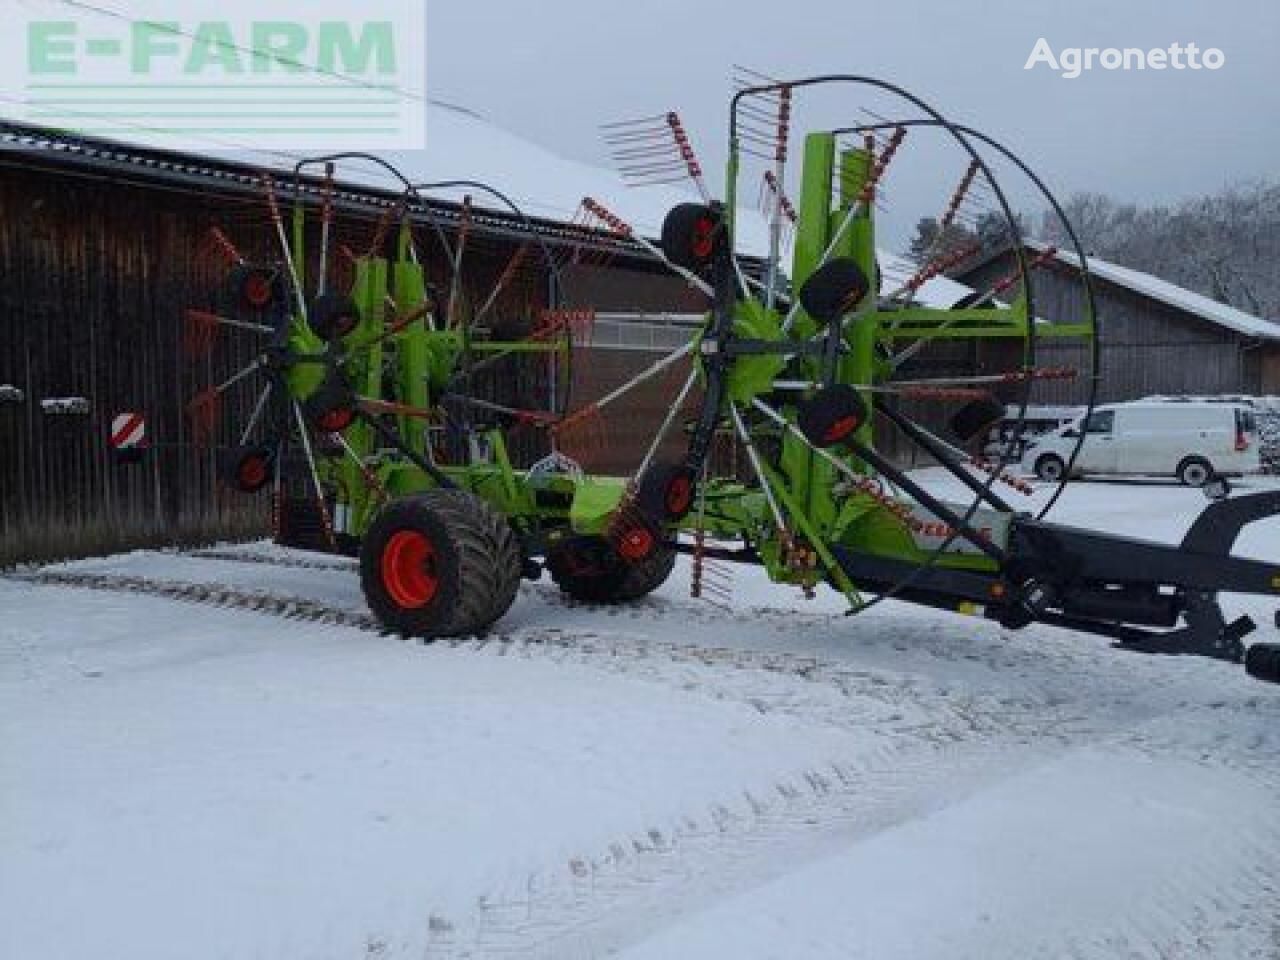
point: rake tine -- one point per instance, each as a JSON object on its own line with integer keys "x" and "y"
{"x": 205, "y": 412}
{"x": 224, "y": 246}
{"x": 276, "y": 219}
{"x": 199, "y": 333}
{"x": 582, "y": 434}
{"x": 505, "y": 278}
{"x": 624, "y": 230}
{"x": 619, "y": 124}
{"x": 667, "y": 423}
{"x": 326, "y": 230}
{"x": 258, "y": 409}
{"x": 757, "y": 467}
{"x": 455, "y": 285}
{"x": 321, "y": 505}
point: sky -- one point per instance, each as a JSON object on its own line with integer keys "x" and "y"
{"x": 555, "y": 70}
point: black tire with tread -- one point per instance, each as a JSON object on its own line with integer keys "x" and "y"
{"x": 508, "y": 556}
{"x": 686, "y": 240}
{"x": 834, "y": 289}
{"x": 479, "y": 564}
{"x": 832, "y": 415}
{"x": 614, "y": 580}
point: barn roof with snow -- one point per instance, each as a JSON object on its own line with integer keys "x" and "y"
{"x": 1173, "y": 295}
{"x": 1155, "y": 337}
{"x": 462, "y": 145}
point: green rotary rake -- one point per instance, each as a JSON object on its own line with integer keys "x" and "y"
{"x": 773, "y": 434}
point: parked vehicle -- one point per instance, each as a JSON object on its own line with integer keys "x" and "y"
{"x": 1007, "y": 444}
{"x": 1193, "y": 441}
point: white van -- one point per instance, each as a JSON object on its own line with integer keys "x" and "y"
{"x": 1193, "y": 441}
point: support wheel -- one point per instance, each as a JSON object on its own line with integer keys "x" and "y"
{"x": 834, "y": 289}
{"x": 589, "y": 570}
{"x": 832, "y": 415}
{"x": 439, "y": 564}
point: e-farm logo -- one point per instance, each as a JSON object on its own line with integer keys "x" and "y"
{"x": 1071, "y": 62}
{"x": 311, "y": 75}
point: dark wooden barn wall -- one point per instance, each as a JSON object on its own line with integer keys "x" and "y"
{"x": 1147, "y": 347}
{"x": 95, "y": 277}
{"x": 610, "y": 288}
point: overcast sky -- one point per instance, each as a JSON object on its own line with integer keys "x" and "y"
{"x": 553, "y": 70}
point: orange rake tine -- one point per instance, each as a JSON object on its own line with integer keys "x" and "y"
{"x": 198, "y": 334}
{"x": 205, "y": 411}
{"x": 582, "y": 434}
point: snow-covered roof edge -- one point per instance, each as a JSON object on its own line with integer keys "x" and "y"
{"x": 467, "y": 146}
{"x": 1189, "y": 301}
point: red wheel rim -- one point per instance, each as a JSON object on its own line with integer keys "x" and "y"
{"x": 252, "y": 473}
{"x": 409, "y": 569}
{"x": 335, "y": 420}
{"x": 257, "y": 290}
{"x": 703, "y": 233}
{"x": 636, "y": 544}
{"x": 841, "y": 429}
{"x": 679, "y": 495}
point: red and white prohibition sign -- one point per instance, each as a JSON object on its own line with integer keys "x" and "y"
{"x": 128, "y": 431}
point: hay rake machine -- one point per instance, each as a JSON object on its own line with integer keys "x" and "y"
{"x": 384, "y": 424}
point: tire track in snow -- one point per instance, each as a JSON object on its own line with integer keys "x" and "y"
{"x": 771, "y": 682}
{"x": 599, "y": 901}
{"x": 600, "y": 896}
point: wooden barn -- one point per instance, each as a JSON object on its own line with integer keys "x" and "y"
{"x": 104, "y": 246}
{"x": 1155, "y": 338}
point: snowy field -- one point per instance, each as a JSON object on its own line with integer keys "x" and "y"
{"x": 182, "y": 776}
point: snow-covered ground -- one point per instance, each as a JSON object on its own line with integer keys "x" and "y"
{"x": 200, "y": 779}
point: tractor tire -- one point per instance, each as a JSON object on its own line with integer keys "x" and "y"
{"x": 589, "y": 570}
{"x": 506, "y": 548}
{"x": 834, "y": 289}
{"x": 439, "y": 564}
{"x": 1195, "y": 471}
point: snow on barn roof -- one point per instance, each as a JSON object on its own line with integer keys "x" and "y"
{"x": 462, "y": 145}
{"x": 1183, "y": 299}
